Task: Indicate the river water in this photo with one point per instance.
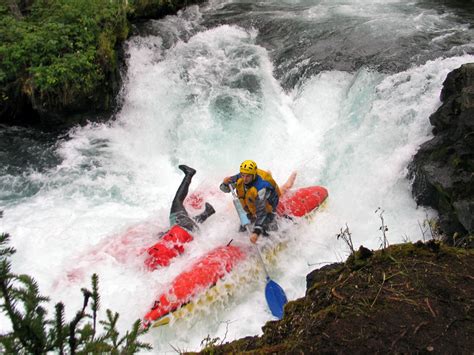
(338, 90)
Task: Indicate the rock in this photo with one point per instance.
(318, 275)
(399, 303)
(443, 169)
(465, 212)
(364, 253)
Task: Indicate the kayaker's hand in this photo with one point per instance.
(227, 180)
(253, 238)
(224, 187)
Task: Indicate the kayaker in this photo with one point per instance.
(178, 214)
(259, 195)
(171, 243)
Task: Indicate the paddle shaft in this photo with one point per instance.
(244, 221)
(274, 294)
(259, 255)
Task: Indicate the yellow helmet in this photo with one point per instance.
(248, 167)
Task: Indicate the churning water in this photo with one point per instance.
(339, 91)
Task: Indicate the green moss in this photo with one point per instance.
(456, 161)
(439, 154)
(294, 307)
(315, 286)
(355, 263)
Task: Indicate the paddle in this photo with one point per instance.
(274, 294)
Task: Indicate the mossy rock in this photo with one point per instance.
(408, 298)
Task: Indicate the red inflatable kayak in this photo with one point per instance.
(214, 265)
(169, 246)
(296, 203)
(200, 276)
(302, 201)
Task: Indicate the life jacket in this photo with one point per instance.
(169, 246)
(248, 195)
(265, 175)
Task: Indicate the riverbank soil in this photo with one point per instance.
(409, 298)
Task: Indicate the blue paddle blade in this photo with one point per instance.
(276, 298)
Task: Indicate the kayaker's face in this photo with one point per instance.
(247, 178)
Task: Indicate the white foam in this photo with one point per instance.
(354, 133)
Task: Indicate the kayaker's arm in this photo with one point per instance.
(232, 179)
(227, 181)
(261, 211)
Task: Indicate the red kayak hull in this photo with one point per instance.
(300, 202)
(199, 276)
(169, 246)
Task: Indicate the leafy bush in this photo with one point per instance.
(60, 50)
(59, 57)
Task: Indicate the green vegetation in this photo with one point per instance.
(32, 331)
(60, 57)
(58, 52)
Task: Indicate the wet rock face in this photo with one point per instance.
(443, 169)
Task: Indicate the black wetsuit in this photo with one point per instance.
(178, 214)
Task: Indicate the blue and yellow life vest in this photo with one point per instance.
(248, 193)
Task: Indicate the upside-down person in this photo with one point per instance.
(259, 195)
(171, 243)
